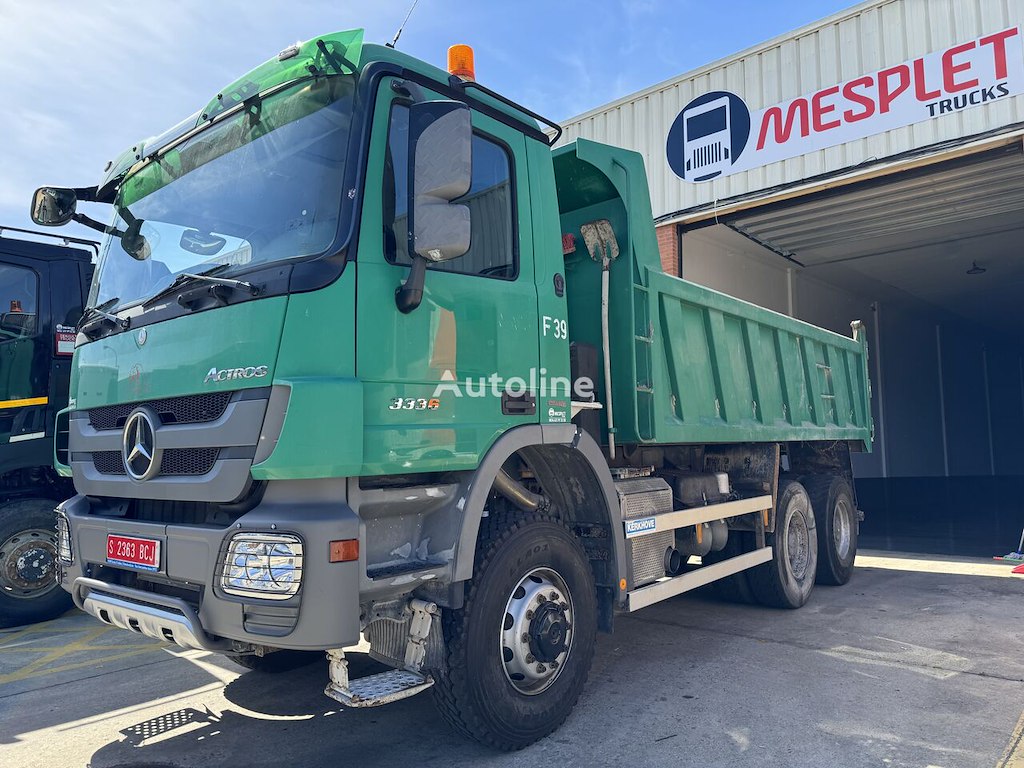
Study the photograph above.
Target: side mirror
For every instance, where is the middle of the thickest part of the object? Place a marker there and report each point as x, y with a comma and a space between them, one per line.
440, 171
53, 206
134, 243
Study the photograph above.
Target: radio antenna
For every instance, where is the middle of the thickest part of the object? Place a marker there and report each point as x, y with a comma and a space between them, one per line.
398, 34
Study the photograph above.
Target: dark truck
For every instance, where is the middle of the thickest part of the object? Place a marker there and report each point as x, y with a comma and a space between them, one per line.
43, 286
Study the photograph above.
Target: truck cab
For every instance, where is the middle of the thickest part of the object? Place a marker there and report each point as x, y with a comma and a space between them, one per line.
42, 293
364, 356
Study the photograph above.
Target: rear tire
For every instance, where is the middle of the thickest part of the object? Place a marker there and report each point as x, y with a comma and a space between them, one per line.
29, 591
836, 517
519, 650
786, 581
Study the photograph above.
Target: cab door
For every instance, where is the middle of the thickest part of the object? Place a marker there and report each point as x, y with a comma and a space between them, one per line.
443, 381
24, 347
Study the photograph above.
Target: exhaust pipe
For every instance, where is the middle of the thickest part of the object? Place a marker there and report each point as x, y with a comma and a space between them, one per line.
519, 494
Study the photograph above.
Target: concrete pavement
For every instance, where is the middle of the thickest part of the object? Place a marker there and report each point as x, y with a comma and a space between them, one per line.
914, 663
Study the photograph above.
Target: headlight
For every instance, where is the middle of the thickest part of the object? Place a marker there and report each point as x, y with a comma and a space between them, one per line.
263, 565
64, 553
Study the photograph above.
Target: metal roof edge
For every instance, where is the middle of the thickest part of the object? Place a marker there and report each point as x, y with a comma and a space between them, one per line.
813, 26
886, 166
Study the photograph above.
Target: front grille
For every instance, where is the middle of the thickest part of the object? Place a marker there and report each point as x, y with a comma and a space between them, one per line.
176, 461
108, 463
188, 461
191, 409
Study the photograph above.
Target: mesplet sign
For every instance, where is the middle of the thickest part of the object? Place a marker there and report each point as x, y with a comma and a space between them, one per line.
716, 135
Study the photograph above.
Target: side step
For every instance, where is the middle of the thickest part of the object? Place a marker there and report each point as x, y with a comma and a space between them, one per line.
676, 585
395, 684
377, 690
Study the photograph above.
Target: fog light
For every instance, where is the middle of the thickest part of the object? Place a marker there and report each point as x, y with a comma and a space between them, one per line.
263, 565
64, 553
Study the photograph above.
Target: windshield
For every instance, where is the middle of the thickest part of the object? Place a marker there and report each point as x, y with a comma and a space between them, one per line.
261, 186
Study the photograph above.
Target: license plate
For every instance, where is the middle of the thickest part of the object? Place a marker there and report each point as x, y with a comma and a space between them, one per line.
134, 552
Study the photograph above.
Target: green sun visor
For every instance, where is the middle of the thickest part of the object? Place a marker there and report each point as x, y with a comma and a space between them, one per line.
335, 54
326, 55
300, 99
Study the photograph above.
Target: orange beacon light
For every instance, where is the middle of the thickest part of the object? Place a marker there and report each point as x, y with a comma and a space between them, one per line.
460, 62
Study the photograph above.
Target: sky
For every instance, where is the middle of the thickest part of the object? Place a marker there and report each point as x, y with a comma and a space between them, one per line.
82, 81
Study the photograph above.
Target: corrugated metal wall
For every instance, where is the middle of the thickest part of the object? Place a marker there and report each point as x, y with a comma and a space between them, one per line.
864, 39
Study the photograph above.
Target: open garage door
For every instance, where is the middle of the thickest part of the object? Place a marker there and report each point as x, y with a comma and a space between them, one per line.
932, 259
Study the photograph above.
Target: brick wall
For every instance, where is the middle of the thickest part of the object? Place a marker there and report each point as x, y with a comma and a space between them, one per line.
668, 246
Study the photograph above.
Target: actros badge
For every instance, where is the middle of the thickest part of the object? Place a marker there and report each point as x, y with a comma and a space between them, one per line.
230, 374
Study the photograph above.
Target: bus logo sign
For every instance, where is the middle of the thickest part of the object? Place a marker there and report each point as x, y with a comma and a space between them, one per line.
708, 136
707, 139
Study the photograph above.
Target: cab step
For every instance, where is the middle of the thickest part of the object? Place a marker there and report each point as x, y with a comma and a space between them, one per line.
377, 690
395, 684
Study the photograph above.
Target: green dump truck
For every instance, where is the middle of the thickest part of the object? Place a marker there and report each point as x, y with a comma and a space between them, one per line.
365, 356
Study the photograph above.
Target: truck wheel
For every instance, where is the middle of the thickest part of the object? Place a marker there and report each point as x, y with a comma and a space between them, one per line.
734, 588
836, 517
787, 579
519, 651
29, 591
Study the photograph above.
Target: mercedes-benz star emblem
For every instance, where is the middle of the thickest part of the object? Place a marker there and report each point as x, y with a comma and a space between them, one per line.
138, 450
141, 338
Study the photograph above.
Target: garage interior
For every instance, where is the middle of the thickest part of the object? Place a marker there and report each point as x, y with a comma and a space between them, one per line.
931, 260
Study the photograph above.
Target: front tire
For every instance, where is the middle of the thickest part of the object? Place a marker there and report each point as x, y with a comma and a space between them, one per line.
520, 649
29, 591
786, 581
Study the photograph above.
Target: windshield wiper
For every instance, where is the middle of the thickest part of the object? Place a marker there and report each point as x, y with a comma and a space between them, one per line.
252, 289
207, 276
93, 315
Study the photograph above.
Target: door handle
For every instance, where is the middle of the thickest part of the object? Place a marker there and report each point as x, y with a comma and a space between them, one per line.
518, 405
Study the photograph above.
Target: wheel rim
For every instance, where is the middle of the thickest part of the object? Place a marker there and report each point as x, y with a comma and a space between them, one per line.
842, 529
798, 545
27, 563
536, 631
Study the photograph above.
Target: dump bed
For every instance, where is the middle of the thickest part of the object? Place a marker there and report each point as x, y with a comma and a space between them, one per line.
737, 372
689, 364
